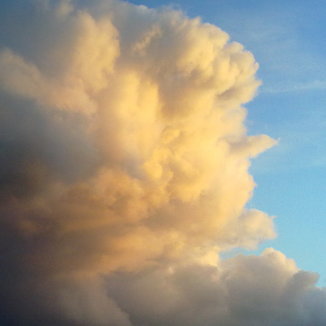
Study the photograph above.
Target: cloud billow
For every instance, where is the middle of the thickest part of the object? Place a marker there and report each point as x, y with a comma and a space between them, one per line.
124, 173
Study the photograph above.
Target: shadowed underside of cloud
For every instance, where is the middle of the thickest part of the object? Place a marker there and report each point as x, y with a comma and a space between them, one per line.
124, 172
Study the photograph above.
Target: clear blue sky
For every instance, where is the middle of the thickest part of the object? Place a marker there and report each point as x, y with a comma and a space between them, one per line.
288, 40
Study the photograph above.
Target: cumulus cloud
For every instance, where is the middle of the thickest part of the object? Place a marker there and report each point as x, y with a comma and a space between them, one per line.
245, 290
124, 168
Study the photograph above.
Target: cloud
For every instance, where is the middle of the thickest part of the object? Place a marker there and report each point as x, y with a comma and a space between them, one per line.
244, 290
124, 156
315, 85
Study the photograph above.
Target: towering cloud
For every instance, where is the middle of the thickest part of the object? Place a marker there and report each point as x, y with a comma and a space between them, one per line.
124, 172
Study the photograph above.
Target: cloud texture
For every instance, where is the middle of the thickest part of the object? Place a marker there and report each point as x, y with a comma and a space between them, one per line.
124, 172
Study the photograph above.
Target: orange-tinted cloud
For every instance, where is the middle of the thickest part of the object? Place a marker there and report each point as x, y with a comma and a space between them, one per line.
124, 150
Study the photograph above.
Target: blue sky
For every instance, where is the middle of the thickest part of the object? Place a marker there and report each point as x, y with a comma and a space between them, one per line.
287, 39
